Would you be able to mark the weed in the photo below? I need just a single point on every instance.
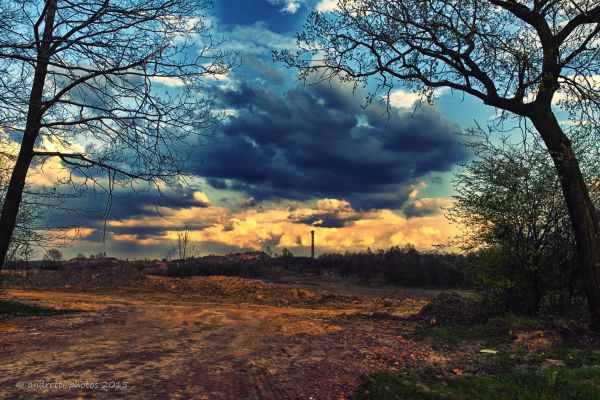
(524, 384)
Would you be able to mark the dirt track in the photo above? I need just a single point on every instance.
(172, 345)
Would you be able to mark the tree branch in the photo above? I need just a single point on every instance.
(69, 157)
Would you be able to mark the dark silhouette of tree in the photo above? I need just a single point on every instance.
(183, 245)
(116, 89)
(30, 229)
(287, 257)
(24, 236)
(514, 55)
(53, 255)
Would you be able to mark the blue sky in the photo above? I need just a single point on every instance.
(293, 158)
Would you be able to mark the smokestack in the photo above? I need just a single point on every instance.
(312, 244)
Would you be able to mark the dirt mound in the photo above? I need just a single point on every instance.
(239, 289)
(74, 277)
(450, 309)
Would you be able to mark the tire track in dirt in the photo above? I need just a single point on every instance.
(171, 346)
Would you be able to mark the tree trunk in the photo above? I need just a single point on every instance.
(581, 209)
(14, 192)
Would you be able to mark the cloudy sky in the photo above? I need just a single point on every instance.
(292, 158)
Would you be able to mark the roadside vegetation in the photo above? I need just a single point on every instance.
(548, 384)
(522, 263)
(504, 358)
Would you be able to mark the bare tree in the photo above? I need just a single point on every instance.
(118, 86)
(53, 255)
(183, 246)
(26, 234)
(515, 55)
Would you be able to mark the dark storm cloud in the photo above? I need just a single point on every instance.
(124, 249)
(88, 209)
(141, 204)
(317, 142)
(263, 69)
(328, 220)
(217, 183)
(152, 231)
(210, 247)
(385, 199)
(411, 210)
(424, 207)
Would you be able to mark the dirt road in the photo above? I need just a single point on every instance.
(143, 345)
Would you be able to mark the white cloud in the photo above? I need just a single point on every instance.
(567, 92)
(327, 5)
(406, 100)
(257, 39)
(403, 99)
(168, 81)
(416, 189)
(202, 199)
(289, 6)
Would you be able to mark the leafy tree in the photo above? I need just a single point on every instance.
(269, 251)
(286, 253)
(515, 55)
(514, 217)
(287, 256)
(99, 256)
(104, 85)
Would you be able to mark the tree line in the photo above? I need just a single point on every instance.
(84, 82)
(521, 57)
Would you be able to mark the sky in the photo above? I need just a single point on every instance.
(289, 159)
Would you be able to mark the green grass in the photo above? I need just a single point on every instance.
(572, 357)
(15, 308)
(524, 384)
(495, 332)
(514, 373)
(499, 334)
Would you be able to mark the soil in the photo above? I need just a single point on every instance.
(451, 309)
(207, 338)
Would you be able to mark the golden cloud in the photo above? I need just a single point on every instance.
(41, 174)
(285, 224)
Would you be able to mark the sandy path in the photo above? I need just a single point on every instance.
(143, 346)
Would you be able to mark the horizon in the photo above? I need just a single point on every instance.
(290, 158)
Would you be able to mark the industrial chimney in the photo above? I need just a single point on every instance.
(312, 244)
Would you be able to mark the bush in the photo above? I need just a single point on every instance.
(396, 266)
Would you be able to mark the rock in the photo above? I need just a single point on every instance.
(553, 363)
(488, 351)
